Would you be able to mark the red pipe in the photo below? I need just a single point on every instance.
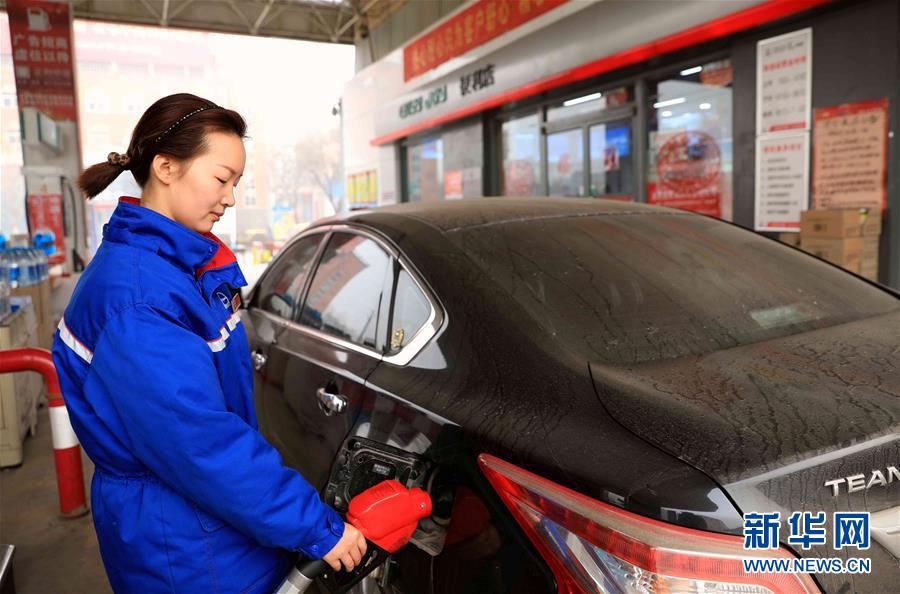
(30, 359)
(66, 450)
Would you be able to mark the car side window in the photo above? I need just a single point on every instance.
(280, 288)
(344, 297)
(410, 310)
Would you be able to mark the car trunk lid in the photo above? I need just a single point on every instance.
(801, 423)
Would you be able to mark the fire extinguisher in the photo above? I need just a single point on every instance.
(386, 515)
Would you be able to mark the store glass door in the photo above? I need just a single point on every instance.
(611, 163)
(565, 163)
(588, 145)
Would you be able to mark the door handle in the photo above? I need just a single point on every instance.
(258, 359)
(331, 403)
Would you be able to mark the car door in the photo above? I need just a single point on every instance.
(317, 364)
(272, 307)
(468, 546)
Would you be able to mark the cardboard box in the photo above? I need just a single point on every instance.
(790, 239)
(846, 253)
(840, 222)
(41, 300)
(868, 261)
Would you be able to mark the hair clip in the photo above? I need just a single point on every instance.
(118, 160)
(183, 118)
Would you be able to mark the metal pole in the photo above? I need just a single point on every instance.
(66, 449)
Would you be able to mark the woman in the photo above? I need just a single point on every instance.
(155, 370)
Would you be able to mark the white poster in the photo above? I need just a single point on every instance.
(782, 181)
(783, 82)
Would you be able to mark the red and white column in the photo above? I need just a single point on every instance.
(67, 455)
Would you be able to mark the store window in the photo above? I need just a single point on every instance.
(565, 163)
(425, 171)
(520, 141)
(690, 144)
(96, 102)
(12, 136)
(133, 103)
(463, 162)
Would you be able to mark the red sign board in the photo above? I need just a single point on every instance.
(45, 215)
(41, 39)
(474, 26)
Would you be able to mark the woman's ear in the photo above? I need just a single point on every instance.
(165, 168)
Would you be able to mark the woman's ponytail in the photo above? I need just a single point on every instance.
(97, 178)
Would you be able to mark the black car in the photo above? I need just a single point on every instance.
(594, 393)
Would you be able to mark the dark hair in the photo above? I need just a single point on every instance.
(177, 126)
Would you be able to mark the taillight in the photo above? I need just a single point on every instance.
(596, 547)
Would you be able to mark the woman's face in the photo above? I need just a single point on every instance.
(205, 188)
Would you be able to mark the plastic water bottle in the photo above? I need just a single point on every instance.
(42, 264)
(29, 267)
(14, 270)
(4, 287)
(36, 271)
(26, 267)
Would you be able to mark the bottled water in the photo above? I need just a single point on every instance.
(13, 269)
(22, 267)
(4, 287)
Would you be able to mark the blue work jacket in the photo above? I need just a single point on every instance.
(154, 366)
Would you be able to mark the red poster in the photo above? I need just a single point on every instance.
(453, 184)
(519, 178)
(45, 215)
(41, 37)
(474, 26)
(688, 171)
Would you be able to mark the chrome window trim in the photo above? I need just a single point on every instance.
(423, 334)
(345, 344)
(326, 338)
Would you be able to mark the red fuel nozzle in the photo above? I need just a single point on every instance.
(387, 514)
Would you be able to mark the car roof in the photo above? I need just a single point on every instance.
(454, 215)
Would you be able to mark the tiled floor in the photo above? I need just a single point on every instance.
(53, 555)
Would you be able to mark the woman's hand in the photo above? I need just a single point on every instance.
(348, 551)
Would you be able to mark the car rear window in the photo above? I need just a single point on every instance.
(627, 289)
(410, 312)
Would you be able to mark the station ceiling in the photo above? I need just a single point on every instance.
(335, 21)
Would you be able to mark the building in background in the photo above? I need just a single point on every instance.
(722, 108)
(122, 69)
(12, 182)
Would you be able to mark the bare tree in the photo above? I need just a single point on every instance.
(285, 177)
(318, 162)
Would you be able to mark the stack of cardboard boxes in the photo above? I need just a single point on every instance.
(19, 392)
(40, 298)
(847, 237)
